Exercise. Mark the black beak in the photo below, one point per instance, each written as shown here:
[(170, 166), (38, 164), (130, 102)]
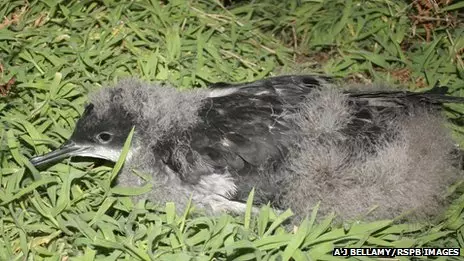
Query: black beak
[(66, 150)]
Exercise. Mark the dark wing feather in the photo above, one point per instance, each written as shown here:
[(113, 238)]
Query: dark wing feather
[(244, 133), (291, 89), (236, 133), (375, 110)]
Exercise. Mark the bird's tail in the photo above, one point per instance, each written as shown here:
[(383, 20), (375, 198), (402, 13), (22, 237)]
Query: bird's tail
[(439, 94), (436, 95)]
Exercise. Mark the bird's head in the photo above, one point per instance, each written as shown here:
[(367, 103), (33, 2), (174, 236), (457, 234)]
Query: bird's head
[(99, 133), (156, 111)]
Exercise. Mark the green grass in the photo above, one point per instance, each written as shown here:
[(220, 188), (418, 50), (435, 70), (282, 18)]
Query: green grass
[(58, 51)]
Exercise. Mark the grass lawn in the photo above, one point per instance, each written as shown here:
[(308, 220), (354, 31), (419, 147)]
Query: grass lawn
[(52, 53)]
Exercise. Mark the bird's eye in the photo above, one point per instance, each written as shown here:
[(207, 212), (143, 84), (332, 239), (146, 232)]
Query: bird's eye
[(104, 137)]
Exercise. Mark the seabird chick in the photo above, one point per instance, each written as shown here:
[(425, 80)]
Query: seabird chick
[(298, 140)]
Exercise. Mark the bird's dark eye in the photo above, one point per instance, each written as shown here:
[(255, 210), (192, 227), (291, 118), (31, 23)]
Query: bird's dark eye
[(104, 137)]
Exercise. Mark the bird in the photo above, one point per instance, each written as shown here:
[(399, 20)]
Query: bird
[(297, 140)]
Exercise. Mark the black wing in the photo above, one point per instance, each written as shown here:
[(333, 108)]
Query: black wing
[(243, 132)]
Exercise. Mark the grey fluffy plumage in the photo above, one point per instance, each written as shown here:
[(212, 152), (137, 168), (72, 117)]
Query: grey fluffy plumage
[(412, 165), (297, 139)]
